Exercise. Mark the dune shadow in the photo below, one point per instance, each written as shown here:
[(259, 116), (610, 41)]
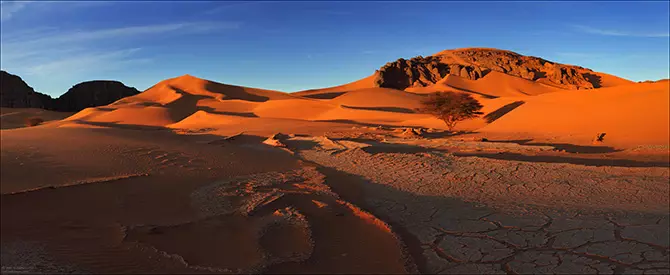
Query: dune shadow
[(300, 144), (377, 147), (487, 96), (446, 134), (382, 109), (353, 122), (233, 92), (566, 147), (594, 79), (238, 139), (188, 104), (581, 149), (570, 160), (493, 116), (118, 125), (325, 95), (397, 149), (214, 111)]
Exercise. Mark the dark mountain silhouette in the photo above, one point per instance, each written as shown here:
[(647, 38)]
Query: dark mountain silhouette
[(15, 93)]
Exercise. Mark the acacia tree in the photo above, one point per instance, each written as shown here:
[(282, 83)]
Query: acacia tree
[(451, 107)]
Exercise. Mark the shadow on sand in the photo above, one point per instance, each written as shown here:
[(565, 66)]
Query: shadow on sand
[(493, 116), (325, 95), (566, 147), (383, 109), (571, 160), (377, 147)]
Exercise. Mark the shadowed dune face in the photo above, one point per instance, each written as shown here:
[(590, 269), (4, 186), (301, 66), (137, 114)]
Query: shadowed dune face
[(234, 92), (323, 95), (492, 116)]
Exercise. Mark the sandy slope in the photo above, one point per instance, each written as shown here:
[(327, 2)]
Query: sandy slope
[(330, 92), (629, 114), (11, 118), (492, 85)]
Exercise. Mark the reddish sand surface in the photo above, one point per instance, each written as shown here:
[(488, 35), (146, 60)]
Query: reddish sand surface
[(11, 118), (194, 176)]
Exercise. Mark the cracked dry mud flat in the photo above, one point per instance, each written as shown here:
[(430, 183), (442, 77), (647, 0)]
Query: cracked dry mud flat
[(334, 205), (476, 215)]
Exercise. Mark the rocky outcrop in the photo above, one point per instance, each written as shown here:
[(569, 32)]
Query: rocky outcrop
[(420, 72), (475, 63), (91, 94), (15, 93)]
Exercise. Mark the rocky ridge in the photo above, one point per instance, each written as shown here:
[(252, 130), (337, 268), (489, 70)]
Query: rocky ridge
[(475, 63)]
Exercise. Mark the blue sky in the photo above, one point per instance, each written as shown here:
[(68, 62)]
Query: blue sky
[(292, 46)]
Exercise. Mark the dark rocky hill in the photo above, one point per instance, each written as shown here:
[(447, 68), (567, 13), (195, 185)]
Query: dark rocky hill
[(475, 63), (15, 93)]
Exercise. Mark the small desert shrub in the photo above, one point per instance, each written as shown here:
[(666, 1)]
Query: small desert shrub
[(451, 107), (34, 121)]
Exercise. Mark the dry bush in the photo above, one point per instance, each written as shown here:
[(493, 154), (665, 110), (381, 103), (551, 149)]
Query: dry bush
[(451, 107), (34, 121)]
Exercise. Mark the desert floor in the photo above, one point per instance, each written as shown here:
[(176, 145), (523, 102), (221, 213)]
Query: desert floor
[(335, 198)]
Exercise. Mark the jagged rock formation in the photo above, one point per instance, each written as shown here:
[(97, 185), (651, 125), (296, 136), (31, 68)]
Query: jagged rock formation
[(15, 93), (91, 94), (474, 63)]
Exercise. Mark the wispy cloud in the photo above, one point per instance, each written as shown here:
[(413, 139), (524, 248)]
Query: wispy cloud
[(76, 36), (232, 6), (8, 9), (48, 51), (611, 32), (87, 60)]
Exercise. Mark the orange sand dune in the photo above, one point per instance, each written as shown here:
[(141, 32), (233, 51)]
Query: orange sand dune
[(608, 80), (174, 99), (190, 102), (636, 113), (493, 85), (379, 98), (331, 92)]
